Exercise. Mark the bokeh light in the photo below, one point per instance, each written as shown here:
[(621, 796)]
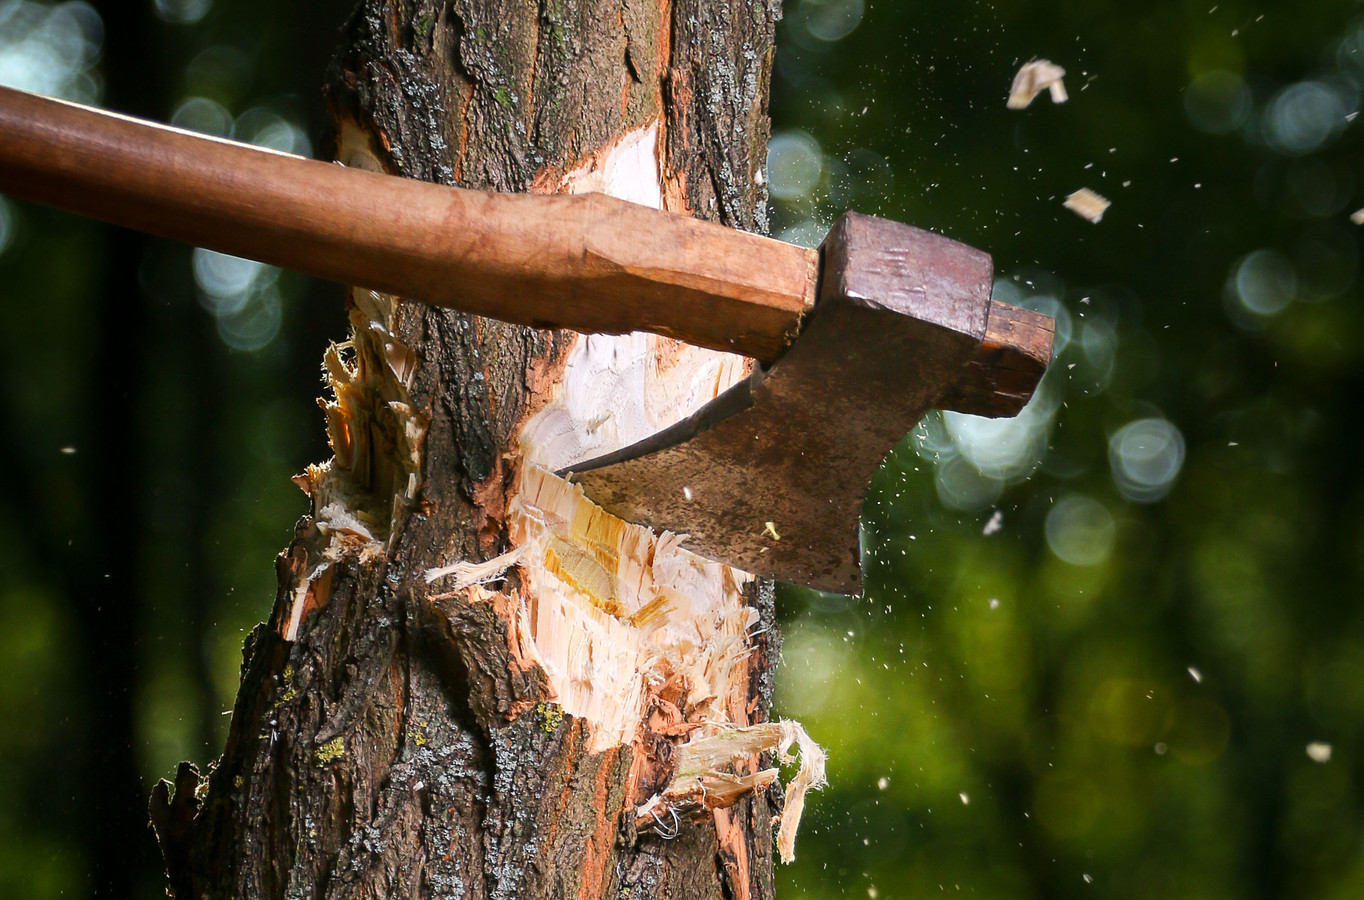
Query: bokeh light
[(808, 233), (264, 127), (1080, 530), (242, 295), (51, 50), (255, 324), (1303, 117), (831, 20), (1146, 456), (182, 12), (962, 486), (1264, 282), (203, 115), (794, 164), (226, 280)]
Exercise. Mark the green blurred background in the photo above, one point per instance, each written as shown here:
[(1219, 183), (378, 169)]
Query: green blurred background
[(1113, 648)]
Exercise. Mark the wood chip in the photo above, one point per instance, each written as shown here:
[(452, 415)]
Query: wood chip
[(471, 573), (1087, 205), (1035, 77), (810, 777), (701, 784), (701, 755)]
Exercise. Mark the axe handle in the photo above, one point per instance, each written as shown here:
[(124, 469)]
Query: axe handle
[(587, 262), (1005, 370)]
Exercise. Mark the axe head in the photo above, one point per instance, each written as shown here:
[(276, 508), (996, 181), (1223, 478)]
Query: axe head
[(770, 476)]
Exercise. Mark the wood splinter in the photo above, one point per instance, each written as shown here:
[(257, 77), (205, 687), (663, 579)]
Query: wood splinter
[(701, 785)]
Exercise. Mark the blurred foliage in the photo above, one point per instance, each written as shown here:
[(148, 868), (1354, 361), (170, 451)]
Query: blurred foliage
[(1097, 642), (147, 464), (1110, 648)]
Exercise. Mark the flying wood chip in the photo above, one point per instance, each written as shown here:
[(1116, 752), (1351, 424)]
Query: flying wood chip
[(1035, 77), (1087, 204)]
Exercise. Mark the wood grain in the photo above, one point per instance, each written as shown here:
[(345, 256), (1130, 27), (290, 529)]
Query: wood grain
[(1008, 364)]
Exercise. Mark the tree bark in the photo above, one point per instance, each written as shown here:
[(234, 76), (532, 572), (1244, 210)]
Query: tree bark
[(402, 732)]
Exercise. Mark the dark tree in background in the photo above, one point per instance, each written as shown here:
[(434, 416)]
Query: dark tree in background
[(116, 574), (1111, 650)]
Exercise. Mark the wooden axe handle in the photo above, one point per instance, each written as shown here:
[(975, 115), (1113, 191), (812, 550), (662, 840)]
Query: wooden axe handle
[(587, 262)]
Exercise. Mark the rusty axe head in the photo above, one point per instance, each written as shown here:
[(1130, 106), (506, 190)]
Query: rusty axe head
[(770, 476)]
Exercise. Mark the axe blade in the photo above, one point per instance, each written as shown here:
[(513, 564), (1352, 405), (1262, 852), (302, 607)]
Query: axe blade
[(770, 476)]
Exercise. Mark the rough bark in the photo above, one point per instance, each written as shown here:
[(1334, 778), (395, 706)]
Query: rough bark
[(390, 740)]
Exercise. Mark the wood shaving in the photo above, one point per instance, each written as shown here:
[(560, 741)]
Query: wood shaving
[(334, 518), (691, 797), (1035, 77), (471, 573), (1087, 205), (700, 755), (701, 785), (810, 777)]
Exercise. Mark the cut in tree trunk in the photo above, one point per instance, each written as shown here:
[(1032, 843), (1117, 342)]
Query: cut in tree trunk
[(474, 683)]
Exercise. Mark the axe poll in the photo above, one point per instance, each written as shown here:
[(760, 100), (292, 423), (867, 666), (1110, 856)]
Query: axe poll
[(855, 341)]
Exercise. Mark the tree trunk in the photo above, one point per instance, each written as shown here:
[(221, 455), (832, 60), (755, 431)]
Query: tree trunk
[(473, 683)]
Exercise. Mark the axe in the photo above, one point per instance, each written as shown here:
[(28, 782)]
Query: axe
[(854, 342)]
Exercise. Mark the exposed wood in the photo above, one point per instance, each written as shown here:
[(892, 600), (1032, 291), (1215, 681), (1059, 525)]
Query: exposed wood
[(614, 608)]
